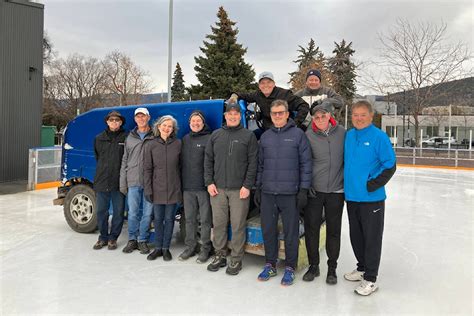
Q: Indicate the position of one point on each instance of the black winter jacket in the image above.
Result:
(192, 159)
(231, 158)
(295, 104)
(108, 149)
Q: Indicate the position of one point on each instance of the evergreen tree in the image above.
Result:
(178, 91)
(343, 69)
(222, 70)
(309, 58)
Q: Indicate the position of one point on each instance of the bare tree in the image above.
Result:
(417, 58)
(125, 78)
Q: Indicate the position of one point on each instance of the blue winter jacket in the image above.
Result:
(284, 160)
(367, 153)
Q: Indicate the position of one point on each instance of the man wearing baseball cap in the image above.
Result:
(108, 149)
(269, 92)
(131, 182)
(315, 93)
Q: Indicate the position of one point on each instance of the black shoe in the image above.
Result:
(217, 262)
(143, 247)
(99, 244)
(131, 246)
(234, 267)
(155, 254)
(186, 254)
(167, 255)
(203, 256)
(313, 271)
(112, 245)
(332, 277)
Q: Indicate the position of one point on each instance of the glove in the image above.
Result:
(233, 99)
(124, 191)
(149, 198)
(302, 199)
(257, 198)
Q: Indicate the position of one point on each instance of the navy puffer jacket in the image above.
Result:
(284, 160)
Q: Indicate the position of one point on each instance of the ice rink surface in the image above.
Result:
(426, 267)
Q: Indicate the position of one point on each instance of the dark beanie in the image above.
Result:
(314, 72)
(198, 113)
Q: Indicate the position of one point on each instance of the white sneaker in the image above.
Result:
(366, 288)
(354, 276)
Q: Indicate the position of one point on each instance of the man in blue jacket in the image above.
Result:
(283, 179)
(369, 163)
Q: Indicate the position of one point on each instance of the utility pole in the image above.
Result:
(170, 47)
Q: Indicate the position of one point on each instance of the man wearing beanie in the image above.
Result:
(195, 195)
(315, 93)
(269, 92)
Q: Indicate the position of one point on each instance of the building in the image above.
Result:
(21, 72)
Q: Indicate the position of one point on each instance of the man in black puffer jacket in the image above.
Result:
(108, 148)
(268, 93)
(195, 196)
(283, 179)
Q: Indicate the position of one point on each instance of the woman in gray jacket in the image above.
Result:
(162, 182)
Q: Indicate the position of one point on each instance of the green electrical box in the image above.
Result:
(47, 136)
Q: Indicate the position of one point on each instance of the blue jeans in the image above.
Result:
(102, 204)
(164, 224)
(139, 214)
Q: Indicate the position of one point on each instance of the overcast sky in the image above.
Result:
(270, 29)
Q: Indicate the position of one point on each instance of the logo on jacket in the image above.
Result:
(366, 143)
(288, 140)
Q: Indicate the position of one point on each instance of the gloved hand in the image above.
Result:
(124, 191)
(257, 198)
(302, 199)
(234, 98)
(149, 198)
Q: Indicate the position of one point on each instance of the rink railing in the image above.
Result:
(44, 167)
(435, 156)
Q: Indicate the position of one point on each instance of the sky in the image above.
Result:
(271, 30)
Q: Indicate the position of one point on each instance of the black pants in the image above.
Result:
(366, 230)
(270, 207)
(332, 204)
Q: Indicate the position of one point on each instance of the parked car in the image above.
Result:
(438, 141)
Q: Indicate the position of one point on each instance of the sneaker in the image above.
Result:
(366, 288)
(268, 272)
(288, 277)
(217, 262)
(203, 256)
(313, 271)
(167, 255)
(234, 267)
(186, 254)
(155, 254)
(131, 246)
(143, 247)
(354, 276)
(112, 245)
(99, 244)
(331, 277)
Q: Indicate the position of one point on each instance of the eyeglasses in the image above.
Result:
(114, 119)
(320, 118)
(280, 113)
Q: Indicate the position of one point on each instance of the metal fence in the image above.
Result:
(44, 166)
(435, 157)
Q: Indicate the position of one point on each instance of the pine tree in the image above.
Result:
(178, 91)
(343, 69)
(309, 58)
(222, 70)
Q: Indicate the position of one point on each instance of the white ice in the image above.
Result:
(426, 267)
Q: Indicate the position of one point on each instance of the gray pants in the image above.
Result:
(197, 202)
(228, 205)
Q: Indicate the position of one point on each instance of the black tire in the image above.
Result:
(79, 209)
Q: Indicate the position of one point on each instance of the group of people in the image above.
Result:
(304, 164)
